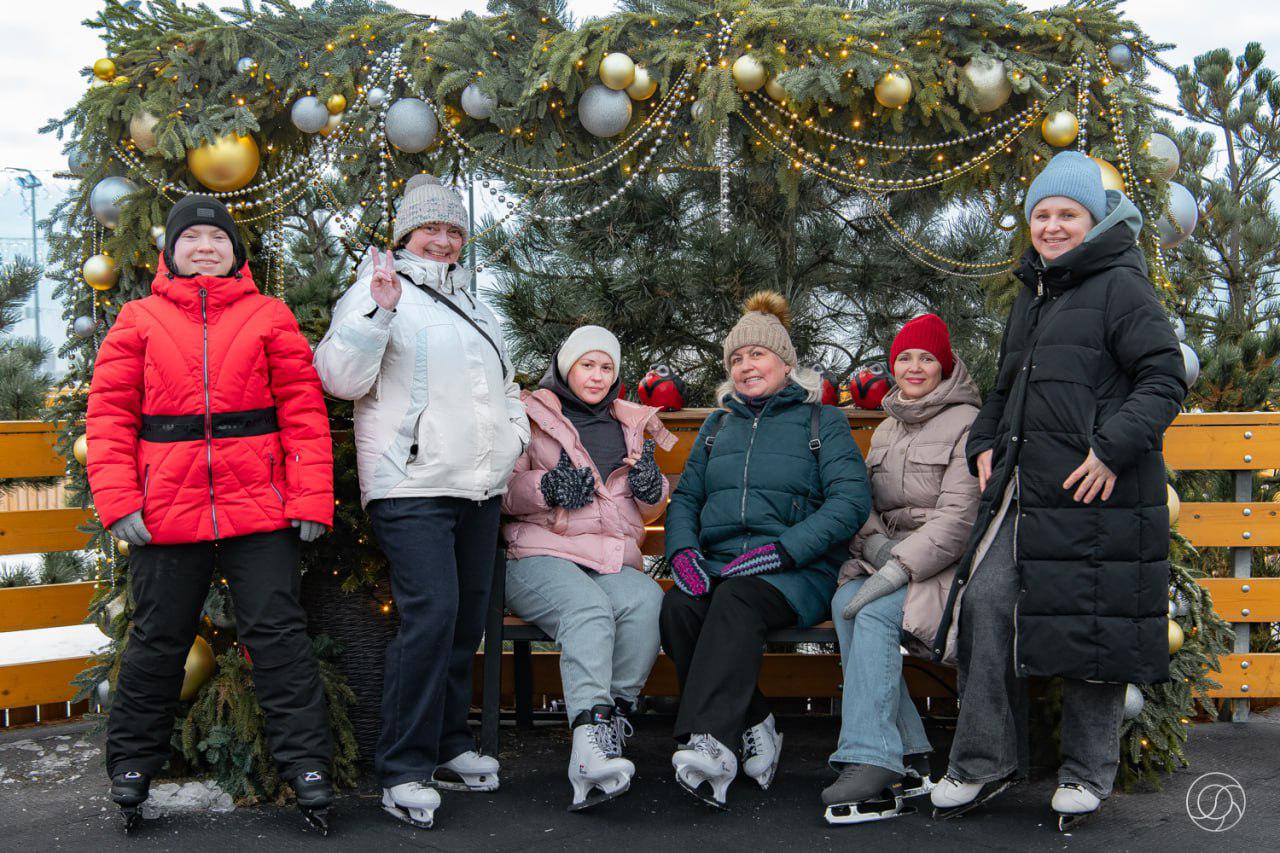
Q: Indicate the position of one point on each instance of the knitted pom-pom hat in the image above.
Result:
(766, 322)
(427, 200)
(929, 333)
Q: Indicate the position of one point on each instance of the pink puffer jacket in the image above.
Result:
(606, 534)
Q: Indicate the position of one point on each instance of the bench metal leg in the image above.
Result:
(524, 683)
(492, 687)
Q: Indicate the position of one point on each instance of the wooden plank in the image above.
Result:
(27, 450)
(41, 530)
(23, 684)
(686, 423)
(1195, 445)
(45, 606)
(1248, 676)
(1244, 525)
(1245, 599)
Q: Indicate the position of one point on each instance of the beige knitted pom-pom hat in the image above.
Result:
(766, 321)
(427, 200)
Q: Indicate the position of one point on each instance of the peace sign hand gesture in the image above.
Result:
(385, 285)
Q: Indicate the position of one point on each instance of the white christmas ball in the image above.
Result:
(157, 236)
(990, 84)
(84, 327)
(1191, 362)
(1182, 212)
(104, 200)
(1121, 56)
(377, 96)
(604, 112)
(142, 130)
(1163, 150)
(411, 125)
(1179, 328)
(245, 64)
(1133, 701)
(103, 692)
(477, 104)
(309, 114)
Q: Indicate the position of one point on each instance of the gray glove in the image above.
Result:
(310, 531)
(131, 529)
(890, 578)
(877, 549)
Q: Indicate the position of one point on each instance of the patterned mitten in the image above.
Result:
(688, 573)
(645, 477)
(759, 561)
(566, 486)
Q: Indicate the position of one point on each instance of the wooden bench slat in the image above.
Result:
(1196, 443)
(54, 605)
(1261, 677)
(27, 450)
(38, 531)
(1226, 524)
(1233, 596)
(23, 684)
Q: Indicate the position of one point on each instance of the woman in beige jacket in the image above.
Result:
(894, 587)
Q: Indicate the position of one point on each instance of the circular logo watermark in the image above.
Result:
(1215, 802)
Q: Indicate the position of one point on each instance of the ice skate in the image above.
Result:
(918, 780)
(1073, 803)
(129, 790)
(469, 771)
(952, 798)
(761, 749)
(315, 796)
(705, 760)
(597, 770)
(622, 711)
(864, 793)
(411, 802)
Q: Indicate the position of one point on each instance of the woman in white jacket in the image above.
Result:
(438, 428)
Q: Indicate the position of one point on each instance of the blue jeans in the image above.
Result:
(879, 723)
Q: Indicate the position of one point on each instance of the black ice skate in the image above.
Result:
(919, 779)
(864, 793)
(130, 790)
(315, 796)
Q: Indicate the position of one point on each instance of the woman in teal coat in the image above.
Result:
(772, 492)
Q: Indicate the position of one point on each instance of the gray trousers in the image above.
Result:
(989, 727)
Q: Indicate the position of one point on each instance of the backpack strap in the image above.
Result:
(710, 440)
(815, 418)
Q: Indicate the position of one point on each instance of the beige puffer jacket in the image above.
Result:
(923, 496)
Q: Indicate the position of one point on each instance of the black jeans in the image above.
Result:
(169, 585)
(717, 645)
(441, 552)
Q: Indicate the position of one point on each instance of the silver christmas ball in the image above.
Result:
(76, 161)
(245, 64)
(411, 125)
(1191, 362)
(1121, 56)
(309, 114)
(698, 110)
(103, 692)
(477, 104)
(1163, 150)
(989, 83)
(157, 236)
(1183, 213)
(1179, 328)
(104, 200)
(84, 326)
(1133, 701)
(376, 97)
(604, 112)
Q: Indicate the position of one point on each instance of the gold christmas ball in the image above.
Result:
(120, 82)
(198, 668)
(80, 450)
(142, 130)
(893, 90)
(225, 165)
(123, 547)
(748, 73)
(774, 89)
(1175, 506)
(1060, 128)
(617, 71)
(332, 124)
(104, 69)
(642, 85)
(100, 272)
(336, 103)
(1176, 637)
(1111, 179)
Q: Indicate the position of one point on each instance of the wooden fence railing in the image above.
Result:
(1240, 443)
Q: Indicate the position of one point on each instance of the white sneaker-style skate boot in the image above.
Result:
(469, 771)
(1073, 803)
(411, 802)
(953, 798)
(705, 760)
(761, 749)
(597, 770)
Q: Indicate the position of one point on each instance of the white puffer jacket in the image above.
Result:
(436, 414)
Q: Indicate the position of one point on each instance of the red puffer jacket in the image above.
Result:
(206, 414)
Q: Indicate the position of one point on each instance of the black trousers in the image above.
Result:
(169, 585)
(717, 645)
(441, 552)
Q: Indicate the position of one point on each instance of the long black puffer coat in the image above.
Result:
(1107, 373)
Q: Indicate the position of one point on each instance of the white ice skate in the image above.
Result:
(761, 749)
(1073, 803)
(952, 798)
(469, 771)
(705, 760)
(597, 770)
(411, 802)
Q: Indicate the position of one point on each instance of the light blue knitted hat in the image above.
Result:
(1073, 175)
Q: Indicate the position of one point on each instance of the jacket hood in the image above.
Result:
(958, 389)
(220, 290)
(423, 272)
(1113, 242)
(791, 394)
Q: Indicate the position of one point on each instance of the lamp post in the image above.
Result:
(30, 182)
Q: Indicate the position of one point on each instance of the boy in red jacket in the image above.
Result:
(209, 447)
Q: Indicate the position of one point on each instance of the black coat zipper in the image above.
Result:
(208, 412)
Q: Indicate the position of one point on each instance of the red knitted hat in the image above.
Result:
(929, 333)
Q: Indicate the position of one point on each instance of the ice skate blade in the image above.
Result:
(455, 782)
(317, 818)
(403, 815)
(979, 801)
(596, 796)
(709, 799)
(1067, 822)
(926, 786)
(847, 813)
(132, 816)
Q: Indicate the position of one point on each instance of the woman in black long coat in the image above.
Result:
(1067, 572)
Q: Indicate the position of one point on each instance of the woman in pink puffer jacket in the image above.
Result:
(579, 500)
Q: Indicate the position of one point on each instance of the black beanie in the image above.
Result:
(201, 210)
